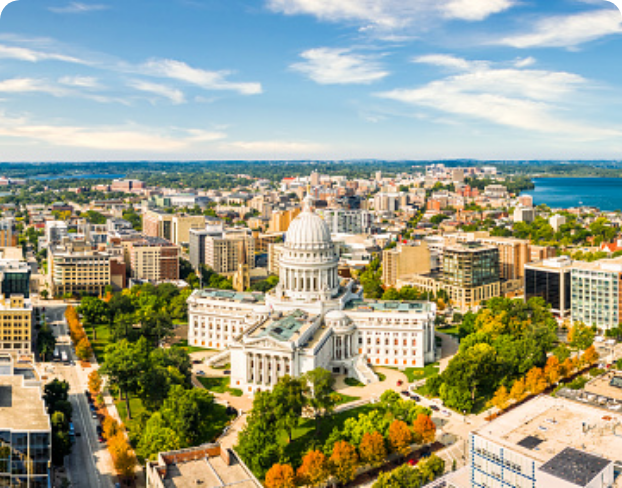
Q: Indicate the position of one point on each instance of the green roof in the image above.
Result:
(235, 296)
(283, 329)
(387, 306)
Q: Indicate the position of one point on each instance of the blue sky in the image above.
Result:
(310, 79)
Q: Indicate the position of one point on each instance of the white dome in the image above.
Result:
(308, 231)
(336, 315)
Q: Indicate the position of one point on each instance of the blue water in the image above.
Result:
(604, 193)
(86, 177)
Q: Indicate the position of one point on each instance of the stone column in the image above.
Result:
(249, 370)
(256, 368)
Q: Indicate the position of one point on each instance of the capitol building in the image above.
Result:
(313, 318)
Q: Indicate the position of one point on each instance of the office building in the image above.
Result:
(25, 431)
(524, 214)
(221, 250)
(55, 231)
(8, 235)
(172, 227)
(595, 289)
(208, 466)
(547, 442)
(390, 202)
(556, 221)
(280, 219)
(403, 261)
(75, 269)
(342, 221)
(14, 277)
(15, 325)
(153, 259)
(550, 279)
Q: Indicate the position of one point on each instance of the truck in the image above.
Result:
(64, 357)
(56, 355)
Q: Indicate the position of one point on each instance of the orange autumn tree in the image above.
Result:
(501, 398)
(343, 462)
(280, 476)
(372, 449)
(517, 392)
(122, 455)
(552, 370)
(95, 382)
(590, 355)
(535, 381)
(314, 469)
(400, 437)
(424, 429)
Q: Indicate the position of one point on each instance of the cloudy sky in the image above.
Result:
(310, 79)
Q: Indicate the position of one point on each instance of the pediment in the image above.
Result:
(267, 343)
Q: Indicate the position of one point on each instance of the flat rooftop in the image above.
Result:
(608, 385)
(240, 297)
(576, 467)
(388, 306)
(286, 328)
(557, 423)
(21, 407)
(209, 472)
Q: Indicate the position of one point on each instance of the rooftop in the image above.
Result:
(21, 406)
(558, 423)
(388, 306)
(229, 295)
(284, 328)
(576, 467)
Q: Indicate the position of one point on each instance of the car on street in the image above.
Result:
(413, 462)
(94, 414)
(200, 373)
(435, 408)
(400, 382)
(406, 393)
(446, 413)
(197, 361)
(100, 439)
(226, 371)
(416, 398)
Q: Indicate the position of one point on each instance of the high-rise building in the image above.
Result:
(154, 259)
(220, 250)
(172, 227)
(8, 235)
(15, 325)
(25, 431)
(550, 279)
(556, 221)
(342, 221)
(78, 269)
(14, 277)
(524, 214)
(405, 260)
(280, 220)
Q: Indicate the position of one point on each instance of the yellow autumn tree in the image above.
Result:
(424, 429)
(517, 392)
(535, 381)
(552, 370)
(501, 398)
(372, 449)
(343, 462)
(314, 469)
(400, 437)
(280, 476)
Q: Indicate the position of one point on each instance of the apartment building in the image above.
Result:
(55, 231)
(78, 269)
(172, 227)
(550, 279)
(344, 221)
(524, 214)
(263, 241)
(153, 259)
(126, 185)
(274, 257)
(25, 431)
(280, 220)
(221, 250)
(548, 442)
(403, 261)
(595, 288)
(390, 202)
(196, 239)
(8, 235)
(15, 325)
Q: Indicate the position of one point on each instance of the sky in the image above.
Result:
(109, 80)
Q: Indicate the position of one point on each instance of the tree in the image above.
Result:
(95, 382)
(157, 437)
(432, 468)
(61, 443)
(400, 437)
(424, 429)
(122, 455)
(552, 370)
(590, 355)
(501, 398)
(314, 469)
(44, 294)
(46, 342)
(257, 443)
(190, 413)
(372, 449)
(343, 462)
(581, 336)
(280, 476)
(319, 393)
(288, 400)
(517, 391)
(110, 427)
(535, 381)
(403, 477)
(84, 350)
(94, 311)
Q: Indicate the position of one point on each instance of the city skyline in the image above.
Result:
(310, 79)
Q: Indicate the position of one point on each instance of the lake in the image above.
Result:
(604, 193)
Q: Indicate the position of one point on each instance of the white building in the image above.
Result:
(524, 214)
(556, 221)
(344, 221)
(547, 443)
(313, 318)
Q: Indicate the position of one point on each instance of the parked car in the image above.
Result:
(400, 382)
(99, 429)
(200, 373)
(226, 371)
(406, 393)
(435, 408)
(197, 361)
(100, 439)
(416, 398)
(413, 462)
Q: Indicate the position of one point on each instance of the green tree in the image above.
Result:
(581, 336)
(287, 403)
(61, 442)
(403, 477)
(190, 413)
(319, 394)
(158, 437)
(46, 342)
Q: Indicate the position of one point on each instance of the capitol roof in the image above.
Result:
(388, 306)
(235, 296)
(308, 231)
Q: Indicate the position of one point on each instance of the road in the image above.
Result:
(89, 465)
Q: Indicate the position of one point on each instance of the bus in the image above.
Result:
(56, 355)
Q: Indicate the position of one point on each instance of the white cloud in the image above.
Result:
(80, 81)
(331, 66)
(449, 61)
(475, 9)
(174, 95)
(208, 80)
(524, 62)
(129, 138)
(273, 147)
(519, 98)
(78, 8)
(391, 14)
(568, 31)
(26, 54)
(30, 85)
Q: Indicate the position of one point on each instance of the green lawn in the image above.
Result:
(103, 339)
(304, 437)
(416, 374)
(381, 376)
(219, 385)
(136, 406)
(343, 399)
(452, 331)
(353, 382)
(183, 344)
(226, 366)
